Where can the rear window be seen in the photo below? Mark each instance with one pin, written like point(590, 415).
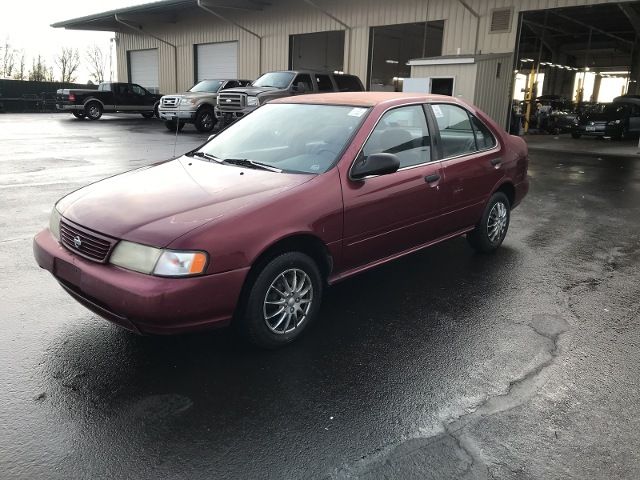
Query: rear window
point(348, 83)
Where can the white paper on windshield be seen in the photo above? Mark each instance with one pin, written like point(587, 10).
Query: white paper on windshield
point(436, 111)
point(357, 112)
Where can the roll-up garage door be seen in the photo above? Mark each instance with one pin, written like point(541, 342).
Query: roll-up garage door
point(217, 60)
point(144, 68)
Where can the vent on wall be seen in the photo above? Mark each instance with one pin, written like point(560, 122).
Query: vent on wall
point(501, 20)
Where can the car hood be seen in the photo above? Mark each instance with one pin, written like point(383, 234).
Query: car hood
point(155, 205)
point(199, 94)
point(252, 90)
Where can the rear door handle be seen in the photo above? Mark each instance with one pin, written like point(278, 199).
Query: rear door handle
point(496, 161)
point(432, 178)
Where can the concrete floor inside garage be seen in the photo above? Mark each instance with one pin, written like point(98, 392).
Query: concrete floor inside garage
point(444, 364)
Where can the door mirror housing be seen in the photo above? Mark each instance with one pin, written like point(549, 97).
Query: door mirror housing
point(211, 137)
point(375, 164)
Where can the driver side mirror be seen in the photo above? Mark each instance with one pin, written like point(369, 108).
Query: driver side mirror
point(211, 137)
point(375, 164)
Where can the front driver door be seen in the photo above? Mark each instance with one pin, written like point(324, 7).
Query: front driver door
point(388, 214)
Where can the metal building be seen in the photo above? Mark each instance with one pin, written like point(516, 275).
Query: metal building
point(169, 45)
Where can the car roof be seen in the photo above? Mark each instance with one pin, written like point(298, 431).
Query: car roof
point(366, 99)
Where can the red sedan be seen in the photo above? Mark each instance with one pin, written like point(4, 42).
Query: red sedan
point(302, 193)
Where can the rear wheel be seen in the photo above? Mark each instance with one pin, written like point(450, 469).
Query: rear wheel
point(490, 232)
point(93, 110)
point(79, 115)
point(147, 114)
point(575, 135)
point(283, 300)
point(171, 125)
point(205, 120)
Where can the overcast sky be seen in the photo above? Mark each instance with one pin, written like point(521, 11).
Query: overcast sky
point(26, 25)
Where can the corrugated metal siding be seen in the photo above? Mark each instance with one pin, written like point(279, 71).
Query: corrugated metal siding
point(464, 74)
point(492, 94)
point(287, 17)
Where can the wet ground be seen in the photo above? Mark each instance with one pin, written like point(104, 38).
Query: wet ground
point(444, 364)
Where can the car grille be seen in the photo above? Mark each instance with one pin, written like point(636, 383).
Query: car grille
point(85, 243)
point(170, 102)
point(230, 102)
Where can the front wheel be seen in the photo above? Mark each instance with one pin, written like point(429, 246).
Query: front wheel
point(79, 115)
point(490, 232)
point(283, 300)
point(205, 120)
point(148, 114)
point(575, 135)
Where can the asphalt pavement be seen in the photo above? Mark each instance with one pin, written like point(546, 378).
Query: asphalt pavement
point(445, 364)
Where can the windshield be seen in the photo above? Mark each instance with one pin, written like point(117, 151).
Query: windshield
point(211, 86)
point(274, 79)
point(296, 138)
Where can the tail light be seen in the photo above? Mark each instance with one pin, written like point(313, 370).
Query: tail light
point(72, 97)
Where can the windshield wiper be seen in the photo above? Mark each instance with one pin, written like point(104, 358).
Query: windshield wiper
point(245, 162)
point(206, 155)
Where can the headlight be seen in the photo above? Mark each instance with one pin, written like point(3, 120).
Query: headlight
point(252, 102)
point(54, 223)
point(614, 122)
point(187, 101)
point(156, 261)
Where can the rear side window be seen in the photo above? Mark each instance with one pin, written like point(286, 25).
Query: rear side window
point(402, 131)
point(456, 133)
point(324, 83)
point(348, 83)
point(484, 137)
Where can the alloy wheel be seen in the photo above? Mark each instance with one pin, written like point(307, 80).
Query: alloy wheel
point(288, 301)
point(497, 222)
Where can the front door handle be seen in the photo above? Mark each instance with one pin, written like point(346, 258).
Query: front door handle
point(432, 178)
point(496, 161)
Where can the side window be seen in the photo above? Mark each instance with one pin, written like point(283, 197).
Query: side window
point(484, 137)
point(402, 131)
point(324, 83)
point(456, 134)
point(348, 83)
point(305, 79)
point(138, 90)
point(231, 84)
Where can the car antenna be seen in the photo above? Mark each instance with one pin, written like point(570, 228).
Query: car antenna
point(175, 142)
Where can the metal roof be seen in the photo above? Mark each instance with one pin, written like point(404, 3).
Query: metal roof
point(167, 10)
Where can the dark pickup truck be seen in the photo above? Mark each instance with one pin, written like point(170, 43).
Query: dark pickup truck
point(109, 97)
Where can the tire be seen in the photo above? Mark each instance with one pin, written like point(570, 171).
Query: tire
point(205, 120)
point(575, 135)
point(93, 110)
point(79, 116)
point(148, 114)
point(485, 238)
point(171, 125)
point(265, 323)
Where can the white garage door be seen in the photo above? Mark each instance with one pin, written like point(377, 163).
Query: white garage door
point(217, 60)
point(144, 68)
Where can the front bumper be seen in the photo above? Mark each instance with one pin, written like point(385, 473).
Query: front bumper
point(598, 130)
point(142, 303)
point(175, 113)
point(233, 115)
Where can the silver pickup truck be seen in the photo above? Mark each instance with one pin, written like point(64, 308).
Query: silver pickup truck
point(196, 105)
point(234, 103)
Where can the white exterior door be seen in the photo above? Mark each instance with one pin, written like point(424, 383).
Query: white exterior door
point(217, 60)
point(144, 68)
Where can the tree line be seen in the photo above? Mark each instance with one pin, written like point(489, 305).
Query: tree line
point(67, 62)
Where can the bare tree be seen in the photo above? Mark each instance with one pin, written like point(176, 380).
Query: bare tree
point(68, 61)
point(39, 71)
point(20, 74)
point(97, 63)
point(8, 60)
